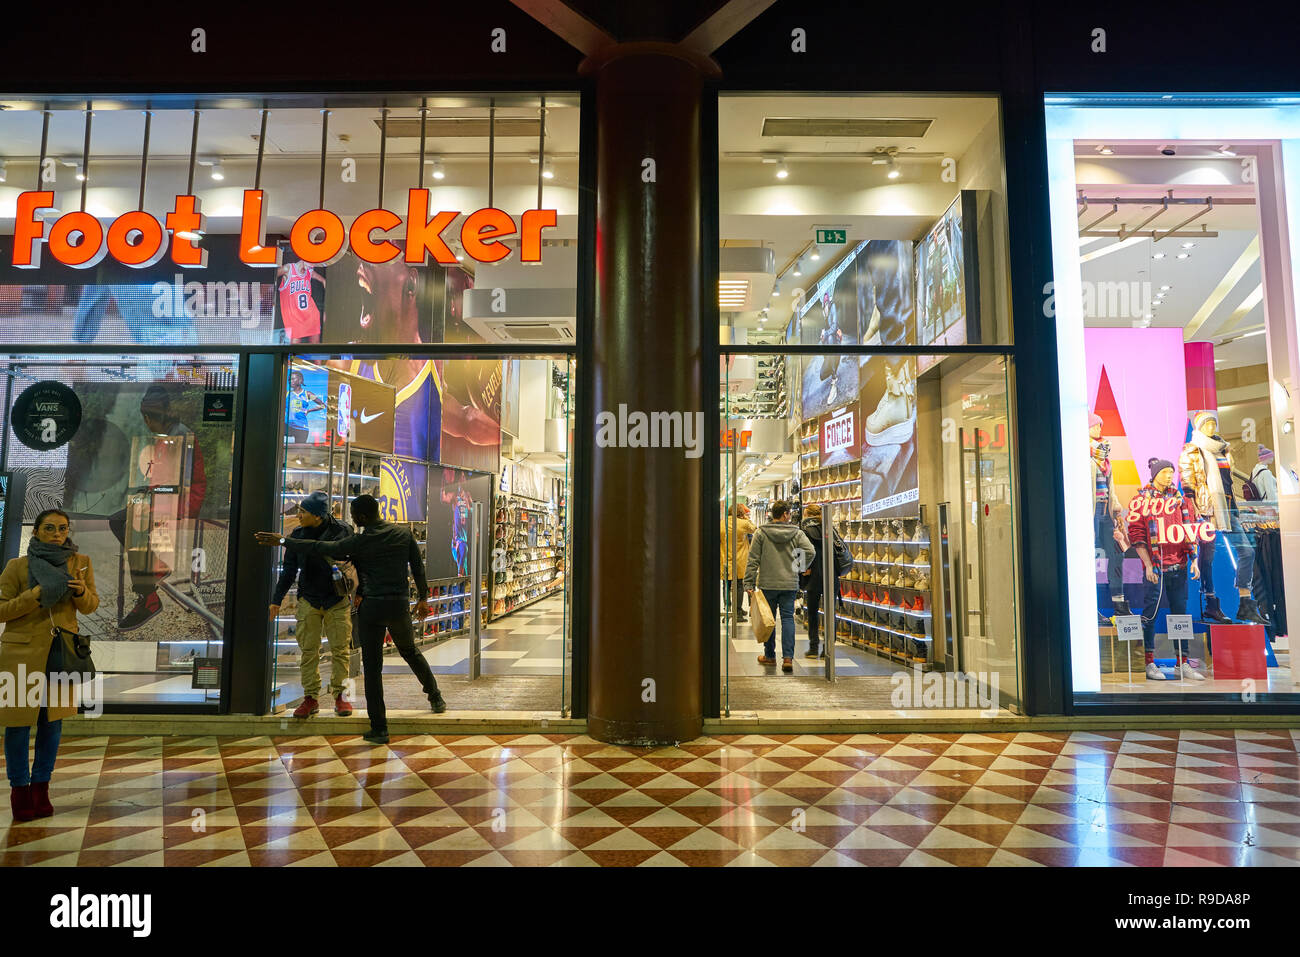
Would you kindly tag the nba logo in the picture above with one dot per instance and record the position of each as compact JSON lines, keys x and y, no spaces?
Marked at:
{"x":345,"y":410}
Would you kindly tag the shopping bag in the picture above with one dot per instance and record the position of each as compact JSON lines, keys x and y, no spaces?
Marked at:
{"x":760,"y":615}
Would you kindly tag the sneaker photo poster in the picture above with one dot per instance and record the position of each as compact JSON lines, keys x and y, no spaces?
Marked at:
{"x":867,"y":297}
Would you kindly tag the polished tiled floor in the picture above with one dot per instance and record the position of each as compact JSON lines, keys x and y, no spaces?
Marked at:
{"x":1081,"y":798}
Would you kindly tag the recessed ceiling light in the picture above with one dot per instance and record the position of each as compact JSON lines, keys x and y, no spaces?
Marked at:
{"x":781,"y":171}
{"x":1165,"y":288}
{"x":1183,"y":255}
{"x":1187,"y":245}
{"x":1157,"y":255}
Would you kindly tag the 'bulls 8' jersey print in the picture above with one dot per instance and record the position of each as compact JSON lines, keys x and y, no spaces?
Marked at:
{"x":297,"y":307}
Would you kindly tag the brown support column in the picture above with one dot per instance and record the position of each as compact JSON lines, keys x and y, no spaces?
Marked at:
{"x":647,"y":573}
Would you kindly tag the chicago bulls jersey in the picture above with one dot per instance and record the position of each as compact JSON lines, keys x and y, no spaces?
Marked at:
{"x":298,"y":309}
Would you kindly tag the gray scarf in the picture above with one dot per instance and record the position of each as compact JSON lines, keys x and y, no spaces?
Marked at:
{"x":47,"y":566}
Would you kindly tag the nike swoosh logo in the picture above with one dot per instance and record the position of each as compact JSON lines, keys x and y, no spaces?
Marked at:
{"x":369,"y":418}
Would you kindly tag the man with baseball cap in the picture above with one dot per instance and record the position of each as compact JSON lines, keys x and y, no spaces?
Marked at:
{"x":321,"y":605}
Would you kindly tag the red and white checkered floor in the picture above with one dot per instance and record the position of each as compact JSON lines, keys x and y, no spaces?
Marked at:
{"x":1063,"y":799}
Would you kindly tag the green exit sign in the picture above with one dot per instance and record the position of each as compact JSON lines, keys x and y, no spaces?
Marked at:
{"x":832,"y":237}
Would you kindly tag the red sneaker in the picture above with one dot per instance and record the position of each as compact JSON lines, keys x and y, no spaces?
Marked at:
{"x":308,"y":708}
{"x":342,"y":708}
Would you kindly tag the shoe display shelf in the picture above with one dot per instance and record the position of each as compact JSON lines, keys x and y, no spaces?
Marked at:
{"x":531,"y":534}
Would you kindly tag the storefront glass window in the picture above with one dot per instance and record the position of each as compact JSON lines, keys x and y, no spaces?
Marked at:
{"x":441,"y":444}
{"x":272,"y":247}
{"x":1172,"y":224}
{"x":863,"y":248}
{"x":139,"y":455}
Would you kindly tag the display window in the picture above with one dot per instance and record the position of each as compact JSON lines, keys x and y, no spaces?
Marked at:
{"x":472,"y":457}
{"x":863,"y":280}
{"x":326,"y":229}
{"x":138,"y":451}
{"x":1172,"y":229}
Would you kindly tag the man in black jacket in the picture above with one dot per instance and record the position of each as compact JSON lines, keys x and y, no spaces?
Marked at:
{"x":381,"y":553}
{"x":811,"y":580}
{"x":320,"y":606}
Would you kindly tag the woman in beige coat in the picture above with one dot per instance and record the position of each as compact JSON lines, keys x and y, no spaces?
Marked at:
{"x":45,"y":588}
{"x":737,"y":528}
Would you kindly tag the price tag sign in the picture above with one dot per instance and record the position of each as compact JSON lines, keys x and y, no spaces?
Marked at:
{"x":1180,"y":628}
{"x":1128,"y":627}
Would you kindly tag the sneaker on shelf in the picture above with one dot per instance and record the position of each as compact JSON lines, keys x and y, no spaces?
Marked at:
{"x":1154,"y":673}
{"x":1189,"y":673}
{"x":342,"y":707}
{"x":308,"y":708}
{"x":146,"y":607}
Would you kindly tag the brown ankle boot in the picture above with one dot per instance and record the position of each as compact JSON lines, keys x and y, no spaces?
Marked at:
{"x":41,"y":805}
{"x":20,"y":802}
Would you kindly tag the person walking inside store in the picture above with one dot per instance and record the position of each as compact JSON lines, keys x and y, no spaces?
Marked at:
{"x":736,"y":529}
{"x":812,"y":578}
{"x":381,"y":552}
{"x":779,"y":553}
{"x":42,"y":591}
{"x":321,"y":605}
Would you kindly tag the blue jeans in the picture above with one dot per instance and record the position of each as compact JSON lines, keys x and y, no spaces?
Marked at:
{"x":47,"y":749}
{"x":782,"y":603}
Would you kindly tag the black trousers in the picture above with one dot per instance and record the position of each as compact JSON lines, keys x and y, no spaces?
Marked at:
{"x":812,"y":599}
{"x":393,"y":615}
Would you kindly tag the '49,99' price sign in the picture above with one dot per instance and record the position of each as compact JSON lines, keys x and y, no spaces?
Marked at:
{"x":45,"y":415}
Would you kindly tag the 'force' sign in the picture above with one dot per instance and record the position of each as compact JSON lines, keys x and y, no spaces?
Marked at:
{"x":138,"y":239}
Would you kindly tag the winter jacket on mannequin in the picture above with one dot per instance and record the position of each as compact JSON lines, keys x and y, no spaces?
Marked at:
{"x":1200,"y":466}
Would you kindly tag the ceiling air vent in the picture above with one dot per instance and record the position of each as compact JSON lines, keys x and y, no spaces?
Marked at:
{"x":832,"y":126}
{"x":408,"y":127}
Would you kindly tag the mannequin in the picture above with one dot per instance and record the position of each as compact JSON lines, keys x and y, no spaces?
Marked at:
{"x":1106,"y":511}
{"x":1166,"y":564}
{"x":1263,"y":479}
{"x":1206,"y":469}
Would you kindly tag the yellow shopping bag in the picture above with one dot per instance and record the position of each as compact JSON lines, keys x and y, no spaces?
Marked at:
{"x":760,"y":614}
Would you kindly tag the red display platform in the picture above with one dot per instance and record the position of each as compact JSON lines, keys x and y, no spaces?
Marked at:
{"x":1239,"y":651}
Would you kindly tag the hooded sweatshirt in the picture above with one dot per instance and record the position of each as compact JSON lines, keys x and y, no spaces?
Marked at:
{"x":773,"y":562}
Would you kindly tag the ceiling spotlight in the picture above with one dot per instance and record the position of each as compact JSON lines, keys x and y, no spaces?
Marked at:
{"x":548,"y":171}
{"x":1157,"y":255}
{"x":218,"y":173}
{"x":81,"y":174}
{"x":816,"y":250}
{"x":776,"y":289}
{"x":893,"y":169}
{"x":1183,"y":255}
{"x":438,"y":172}
{"x":1165,"y":288}
{"x":460,"y":255}
{"x":1188,"y":245}
{"x":1105,"y":150}
{"x":781,"y":170}
{"x":798,"y":268}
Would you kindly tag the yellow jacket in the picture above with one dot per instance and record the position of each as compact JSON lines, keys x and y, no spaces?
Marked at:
{"x":740,"y":533}
{"x":27,"y":634}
